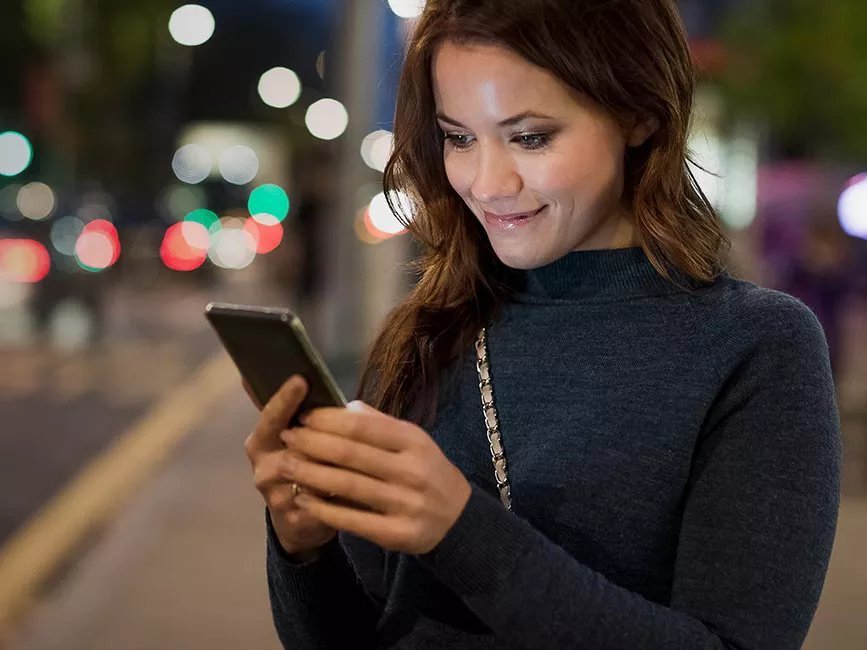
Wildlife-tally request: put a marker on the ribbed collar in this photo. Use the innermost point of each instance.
(611, 273)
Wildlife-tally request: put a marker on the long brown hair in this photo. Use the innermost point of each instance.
(629, 56)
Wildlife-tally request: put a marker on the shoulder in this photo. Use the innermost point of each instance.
(754, 321)
(771, 311)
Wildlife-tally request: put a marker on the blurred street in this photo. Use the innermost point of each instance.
(156, 155)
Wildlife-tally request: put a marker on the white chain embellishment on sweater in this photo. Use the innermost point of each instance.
(492, 421)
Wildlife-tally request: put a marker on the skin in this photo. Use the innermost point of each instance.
(571, 163)
(570, 158)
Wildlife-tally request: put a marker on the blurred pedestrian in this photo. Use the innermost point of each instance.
(656, 464)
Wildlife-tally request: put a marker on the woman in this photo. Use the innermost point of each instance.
(671, 438)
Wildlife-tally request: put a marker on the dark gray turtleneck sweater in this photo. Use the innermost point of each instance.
(674, 461)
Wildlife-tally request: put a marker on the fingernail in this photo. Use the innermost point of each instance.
(356, 405)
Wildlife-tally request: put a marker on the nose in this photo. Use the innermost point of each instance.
(496, 176)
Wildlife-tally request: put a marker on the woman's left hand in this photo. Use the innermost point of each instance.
(392, 466)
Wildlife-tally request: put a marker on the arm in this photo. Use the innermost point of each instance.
(754, 545)
(321, 603)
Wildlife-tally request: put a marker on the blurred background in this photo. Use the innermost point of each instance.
(155, 156)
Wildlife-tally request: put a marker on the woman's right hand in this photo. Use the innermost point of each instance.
(299, 533)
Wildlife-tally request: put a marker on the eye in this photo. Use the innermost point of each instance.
(457, 140)
(532, 141)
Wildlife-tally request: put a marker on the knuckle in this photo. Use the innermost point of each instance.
(416, 504)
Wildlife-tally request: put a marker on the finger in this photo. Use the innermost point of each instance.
(379, 528)
(369, 426)
(270, 479)
(251, 395)
(277, 414)
(344, 452)
(346, 484)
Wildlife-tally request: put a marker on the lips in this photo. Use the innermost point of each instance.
(512, 217)
(511, 222)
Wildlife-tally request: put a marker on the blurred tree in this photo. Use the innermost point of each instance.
(800, 68)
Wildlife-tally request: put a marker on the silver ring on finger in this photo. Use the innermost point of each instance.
(296, 490)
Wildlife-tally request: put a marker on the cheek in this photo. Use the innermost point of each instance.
(584, 173)
(459, 172)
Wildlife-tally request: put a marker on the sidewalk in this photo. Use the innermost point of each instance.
(183, 567)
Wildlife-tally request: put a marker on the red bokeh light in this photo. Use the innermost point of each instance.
(23, 260)
(267, 238)
(177, 254)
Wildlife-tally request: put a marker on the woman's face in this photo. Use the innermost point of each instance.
(540, 168)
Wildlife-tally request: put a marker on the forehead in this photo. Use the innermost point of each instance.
(491, 76)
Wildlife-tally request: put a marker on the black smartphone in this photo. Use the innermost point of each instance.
(269, 345)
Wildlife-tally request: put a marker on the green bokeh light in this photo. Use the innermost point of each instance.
(205, 217)
(269, 199)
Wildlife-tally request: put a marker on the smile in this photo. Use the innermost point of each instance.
(510, 222)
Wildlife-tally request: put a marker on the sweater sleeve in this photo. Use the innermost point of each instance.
(755, 540)
(319, 604)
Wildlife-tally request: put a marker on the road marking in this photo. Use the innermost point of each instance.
(30, 556)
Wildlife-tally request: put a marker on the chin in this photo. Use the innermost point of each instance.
(525, 260)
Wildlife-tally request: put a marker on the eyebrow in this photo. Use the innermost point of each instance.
(509, 121)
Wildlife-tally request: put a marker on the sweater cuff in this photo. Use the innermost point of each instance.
(303, 580)
(480, 552)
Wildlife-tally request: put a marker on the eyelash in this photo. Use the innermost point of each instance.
(542, 140)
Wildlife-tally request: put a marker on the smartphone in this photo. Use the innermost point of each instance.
(269, 345)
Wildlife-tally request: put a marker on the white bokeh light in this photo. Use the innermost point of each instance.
(36, 201)
(15, 153)
(232, 248)
(279, 87)
(191, 25)
(383, 219)
(376, 149)
(327, 119)
(852, 207)
(65, 233)
(407, 8)
(239, 164)
(192, 164)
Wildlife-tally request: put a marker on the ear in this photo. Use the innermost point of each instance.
(641, 131)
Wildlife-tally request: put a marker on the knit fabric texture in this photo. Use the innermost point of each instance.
(674, 459)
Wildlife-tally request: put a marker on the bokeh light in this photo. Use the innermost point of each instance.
(267, 237)
(178, 201)
(177, 254)
(98, 246)
(196, 235)
(23, 261)
(16, 153)
(376, 149)
(204, 217)
(239, 164)
(327, 119)
(65, 233)
(407, 8)
(191, 25)
(268, 200)
(279, 87)
(36, 201)
(192, 164)
(383, 220)
(233, 247)
(852, 207)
